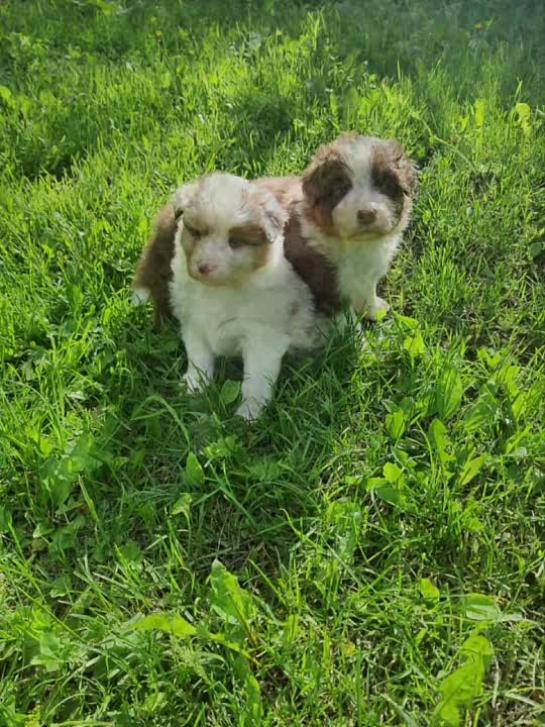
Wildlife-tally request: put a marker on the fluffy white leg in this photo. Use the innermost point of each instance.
(262, 360)
(200, 362)
(368, 303)
(140, 296)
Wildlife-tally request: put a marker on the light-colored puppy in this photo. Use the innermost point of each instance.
(233, 290)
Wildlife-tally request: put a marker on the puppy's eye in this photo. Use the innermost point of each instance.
(192, 231)
(248, 235)
(235, 243)
(338, 189)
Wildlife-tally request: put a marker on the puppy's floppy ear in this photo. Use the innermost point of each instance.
(406, 169)
(270, 214)
(182, 198)
(326, 180)
(275, 219)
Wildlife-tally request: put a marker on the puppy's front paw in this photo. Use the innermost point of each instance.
(140, 296)
(250, 409)
(194, 382)
(378, 310)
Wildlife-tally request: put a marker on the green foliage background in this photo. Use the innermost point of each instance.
(371, 552)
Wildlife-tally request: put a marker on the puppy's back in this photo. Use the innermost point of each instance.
(284, 189)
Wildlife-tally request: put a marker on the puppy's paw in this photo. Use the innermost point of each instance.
(194, 382)
(140, 296)
(250, 409)
(378, 310)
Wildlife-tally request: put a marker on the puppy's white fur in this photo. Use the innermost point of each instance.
(359, 267)
(249, 302)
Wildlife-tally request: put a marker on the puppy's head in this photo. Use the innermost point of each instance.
(228, 228)
(359, 187)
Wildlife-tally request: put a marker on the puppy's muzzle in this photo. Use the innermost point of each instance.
(367, 216)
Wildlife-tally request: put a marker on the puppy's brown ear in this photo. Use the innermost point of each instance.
(182, 198)
(405, 168)
(326, 180)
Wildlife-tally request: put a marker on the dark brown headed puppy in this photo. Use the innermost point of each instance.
(358, 195)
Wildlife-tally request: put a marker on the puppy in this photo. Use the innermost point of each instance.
(345, 218)
(233, 290)
(357, 198)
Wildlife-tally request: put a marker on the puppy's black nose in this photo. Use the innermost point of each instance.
(367, 216)
(204, 269)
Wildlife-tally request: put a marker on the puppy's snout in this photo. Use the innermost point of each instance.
(367, 216)
(204, 268)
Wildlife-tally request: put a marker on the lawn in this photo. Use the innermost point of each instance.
(372, 551)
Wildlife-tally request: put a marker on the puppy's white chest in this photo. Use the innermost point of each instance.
(229, 319)
(361, 260)
(273, 309)
(232, 320)
(364, 262)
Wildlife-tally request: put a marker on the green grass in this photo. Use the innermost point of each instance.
(381, 531)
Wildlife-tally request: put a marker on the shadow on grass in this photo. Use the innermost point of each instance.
(186, 469)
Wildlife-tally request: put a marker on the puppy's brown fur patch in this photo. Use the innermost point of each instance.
(393, 173)
(325, 182)
(153, 271)
(255, 236)
(284, 189)
(405, 167)
(312, 266)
